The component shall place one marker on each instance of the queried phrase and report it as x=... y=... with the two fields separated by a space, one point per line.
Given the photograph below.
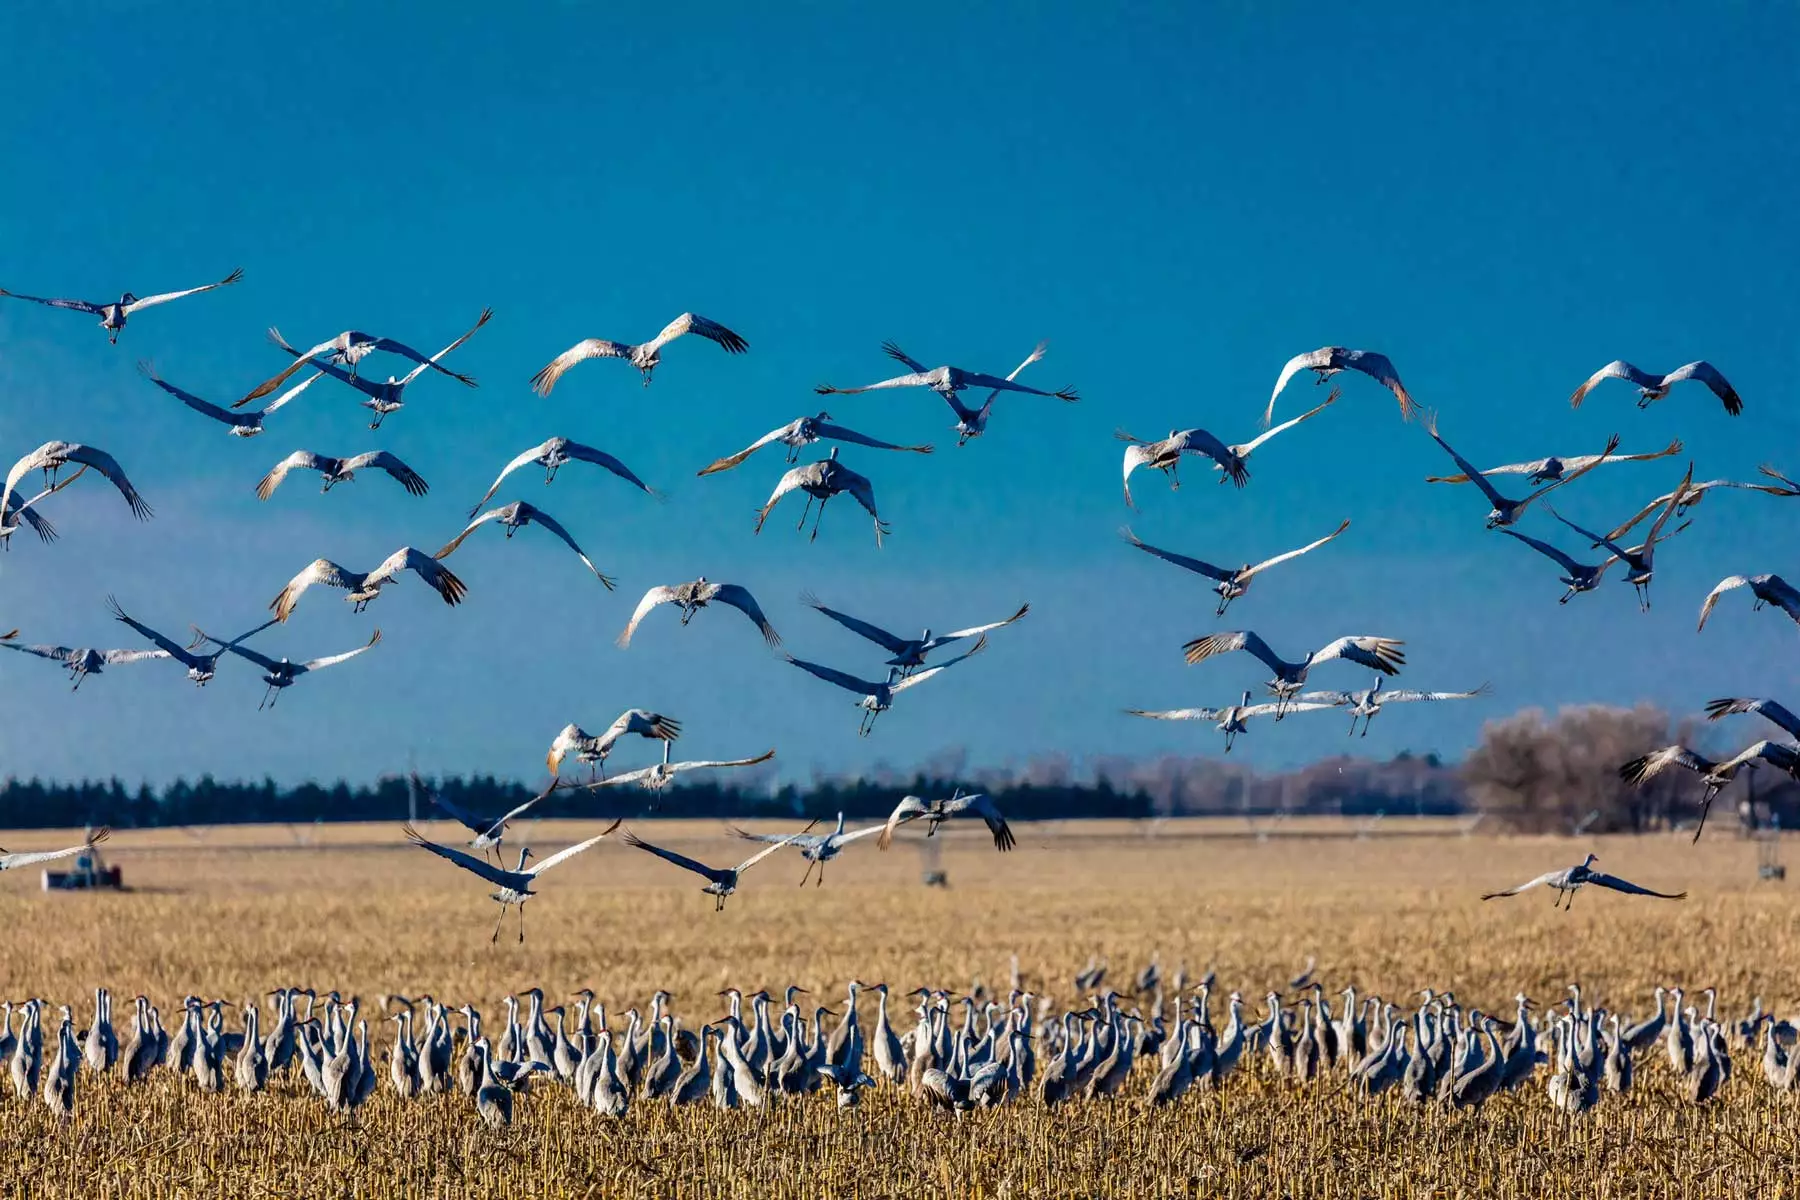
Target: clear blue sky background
x=1179 y=198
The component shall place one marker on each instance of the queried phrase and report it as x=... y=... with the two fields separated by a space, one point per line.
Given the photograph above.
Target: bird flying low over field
x=1653 y=387
x=490 y=832
x=644 y=356
x=114 y=315
x=658 y=776
x=282 y=673
x=1380 y=653
x=1233 y=718
x=594 y=750
x=30 y=858
x=936 y=812
x=721 y=881
x=1716 y=775
x=514 y=887
x=877 y=696
x=1570 y=880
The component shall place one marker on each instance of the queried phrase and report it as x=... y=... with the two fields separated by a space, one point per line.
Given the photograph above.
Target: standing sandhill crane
x=489 y=832
x=658 y=776
x=29 y=858
x=24 y=511
x=386 y=397
x=113 y=316
x=1327 y=361
x=1570 y=880
x=1381 y=653
x=82 y=661
x=348 y=349
x=821 y=481
x=200 y=667
x=1770 y=710
x=817 y=848
x=692 y=597
x=1767 y=589
x=364 y=587
x=1231 y=583
x=936 y=812
x=1652 y=388
x=51 y=457
x=514 y=885
x=341 y=470
x=645 y=356
x=1716 y=775
x=1507 y=512
x=1693 y=493
x=516 y=516
x=723 y=881
x=1231 y=462
x=1641 y=562
x=803 y=432
x=875 y=697
x=1367 y=703
x=1232 y=719
x=242 y=424
x=908 y=654
x=1549 y=470
x=1580 y=577
x=559 y=452
x=281 y=674
x=594 y=750
x=947 y=381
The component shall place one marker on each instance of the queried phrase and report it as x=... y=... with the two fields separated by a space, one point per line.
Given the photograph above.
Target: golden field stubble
x=238 y=911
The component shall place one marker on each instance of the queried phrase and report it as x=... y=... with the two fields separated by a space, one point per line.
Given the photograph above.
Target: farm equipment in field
x=1769 y=866
x=87 y=871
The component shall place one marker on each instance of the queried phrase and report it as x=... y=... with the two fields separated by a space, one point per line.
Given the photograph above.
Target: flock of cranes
x=1159 y=1043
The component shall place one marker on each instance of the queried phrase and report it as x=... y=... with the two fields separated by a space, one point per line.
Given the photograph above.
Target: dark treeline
x=1532 y=773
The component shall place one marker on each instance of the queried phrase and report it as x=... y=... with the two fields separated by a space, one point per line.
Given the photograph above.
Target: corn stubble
x=246 y=910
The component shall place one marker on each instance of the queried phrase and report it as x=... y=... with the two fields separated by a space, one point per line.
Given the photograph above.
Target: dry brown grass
x=247 y=909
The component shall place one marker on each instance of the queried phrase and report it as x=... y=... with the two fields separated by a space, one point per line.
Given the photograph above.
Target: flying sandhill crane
x=1640 y=562
x=947 y=381
x=1569 y=880
x=1380 y=653
x=821 y=481
x=1770 y=710
x=908 y=654
x=1367 y=703
x=594 y=750
x=1652 y=388
x=1327 y=361
x=657 y=776
x=23 y=510
x=242 y=424
x=692 y=597
x=365 y=587
x=1231 y=583
x=936 y=812
x=348 y=349
x=341 y=470
x=876 y=697
x=1716 y=775
x=816 y=848
x=803 y=432
x=1232 y=719
x=1231 y=462
x=722 y=881
x=1767 y=589
x=1696 y=492
x=1504 y=511
x=200 y=667
x=28 y=858
x=113 y=316
x=515 y=885
x=1580 y=577
x=51 y=457
x=490 y=832
x=645 y=356
x=281 y=673
x=515 y=516
x=556 y=453
x=382 y=397
x=82 y=661
x=1548 y=470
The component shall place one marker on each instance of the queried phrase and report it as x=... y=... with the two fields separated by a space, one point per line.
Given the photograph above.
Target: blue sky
x=1178 y=198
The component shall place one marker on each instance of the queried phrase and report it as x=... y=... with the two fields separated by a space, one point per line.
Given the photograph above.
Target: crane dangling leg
x=817 y=519
x=496 y=934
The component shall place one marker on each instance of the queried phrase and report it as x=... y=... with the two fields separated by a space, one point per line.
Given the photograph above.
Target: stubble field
x=232 y=913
